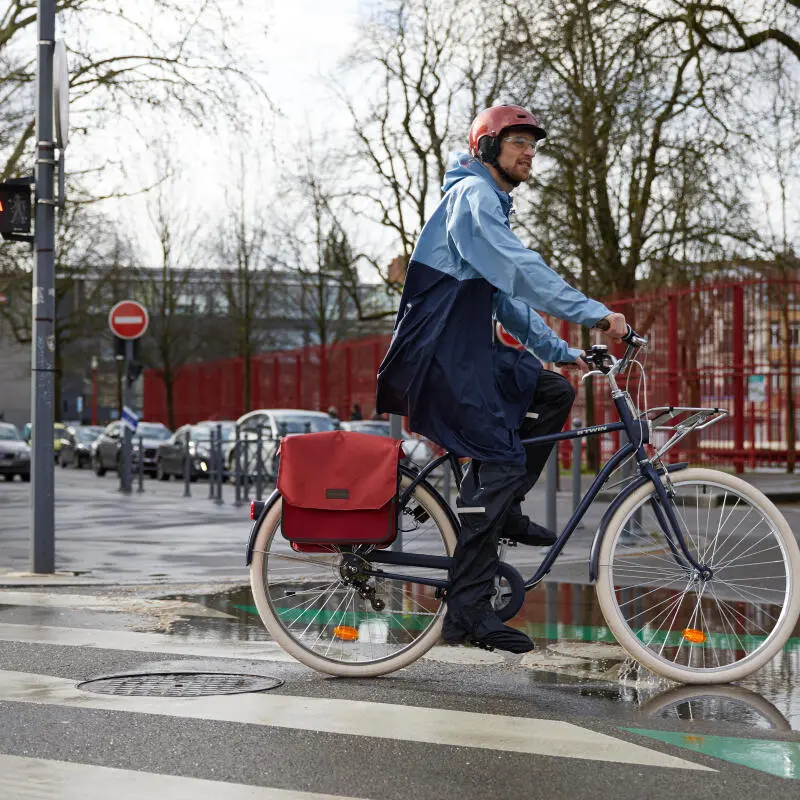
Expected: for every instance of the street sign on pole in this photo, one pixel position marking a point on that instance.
(129, 418)
(128, 319)
(61, 94)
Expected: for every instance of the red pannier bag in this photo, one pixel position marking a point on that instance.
(339, 488)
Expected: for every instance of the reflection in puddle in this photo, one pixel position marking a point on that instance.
(576, 650)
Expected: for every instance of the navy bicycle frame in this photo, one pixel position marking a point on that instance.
(636, 430)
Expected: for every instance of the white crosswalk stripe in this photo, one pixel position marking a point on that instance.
(187, 646)
(43, 779)
(354, 718)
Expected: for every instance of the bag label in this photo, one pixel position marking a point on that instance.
(337, 494)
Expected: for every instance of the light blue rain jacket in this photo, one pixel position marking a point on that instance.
(443, 369)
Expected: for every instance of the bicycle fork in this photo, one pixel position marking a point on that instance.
(664, 510)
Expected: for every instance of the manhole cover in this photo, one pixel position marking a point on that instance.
(179, 684)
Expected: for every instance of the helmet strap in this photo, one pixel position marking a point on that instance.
(489, 150)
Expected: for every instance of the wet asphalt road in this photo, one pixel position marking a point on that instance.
(188, 557)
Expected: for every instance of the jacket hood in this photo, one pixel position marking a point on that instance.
(464, 165)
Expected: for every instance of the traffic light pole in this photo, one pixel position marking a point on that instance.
(43, 318)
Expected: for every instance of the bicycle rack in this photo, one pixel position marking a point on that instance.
(697, 420)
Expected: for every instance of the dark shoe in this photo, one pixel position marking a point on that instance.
(519, 528)
(488, 632)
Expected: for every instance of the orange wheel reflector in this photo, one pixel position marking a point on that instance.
(345, 632)
(693, 635)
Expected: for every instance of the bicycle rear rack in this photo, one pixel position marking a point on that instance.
(695, 419)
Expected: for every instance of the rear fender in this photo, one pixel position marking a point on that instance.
(594, 558)
(270, 501)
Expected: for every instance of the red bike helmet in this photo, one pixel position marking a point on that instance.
(488, 127)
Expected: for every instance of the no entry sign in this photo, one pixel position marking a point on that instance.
(128, 319)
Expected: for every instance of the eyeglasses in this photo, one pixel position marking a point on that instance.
(522, 143)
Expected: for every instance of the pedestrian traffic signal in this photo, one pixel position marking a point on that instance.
(15, 208)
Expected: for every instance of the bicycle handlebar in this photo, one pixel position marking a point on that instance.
(631, 337)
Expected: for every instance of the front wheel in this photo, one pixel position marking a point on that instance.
(695, 628)
(342, 624)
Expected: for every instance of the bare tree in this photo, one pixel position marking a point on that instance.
(246, 280)
(429, 64)
(200, 72)
(170, 292)
(90, 257)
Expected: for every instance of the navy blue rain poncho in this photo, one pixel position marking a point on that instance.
(443, 369)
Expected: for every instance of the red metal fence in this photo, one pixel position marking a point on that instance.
(732, 344)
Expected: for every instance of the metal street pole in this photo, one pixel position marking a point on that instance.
(94, 390)
(127, 440)
(43, 319)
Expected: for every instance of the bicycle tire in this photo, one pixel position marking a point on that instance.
(343, 658)
(739, 643)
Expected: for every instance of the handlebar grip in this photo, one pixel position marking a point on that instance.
(631, 337)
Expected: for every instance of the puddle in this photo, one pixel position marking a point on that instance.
(576, 652)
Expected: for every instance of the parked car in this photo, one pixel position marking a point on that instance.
(76, 445)
(274, 423)
(170, 454)
(107, 448)
(59, 429)
(15, 455)
(418, 452)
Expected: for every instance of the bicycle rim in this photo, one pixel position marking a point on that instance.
(328, 623)
(671, 619)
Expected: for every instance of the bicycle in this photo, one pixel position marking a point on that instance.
(695, 570)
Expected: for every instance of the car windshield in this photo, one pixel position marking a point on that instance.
(9, 433)
(375, 428)
(300, 424)
(147, 430)
(228, 430)
(87, 435)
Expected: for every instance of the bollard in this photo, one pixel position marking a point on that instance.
(246, 466)
(237, 470)
(212, 464)
(140, 487)
(187, 465)
(550, 489)
(259, 462)
(576, 466)
(220, 466)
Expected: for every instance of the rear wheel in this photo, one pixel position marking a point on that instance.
(99, 469)
(331, 623)
(693, 628)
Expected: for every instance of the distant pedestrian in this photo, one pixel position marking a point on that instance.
(355, 412)
(333, 413)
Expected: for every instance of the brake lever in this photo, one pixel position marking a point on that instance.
(589, 374)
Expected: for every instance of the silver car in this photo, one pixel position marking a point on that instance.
(273, 424)
(418, 452)
(15, 455)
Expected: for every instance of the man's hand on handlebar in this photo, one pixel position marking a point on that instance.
(614, 326)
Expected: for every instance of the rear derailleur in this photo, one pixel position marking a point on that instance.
(352, 575)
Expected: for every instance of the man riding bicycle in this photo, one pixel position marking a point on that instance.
(462, 388)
